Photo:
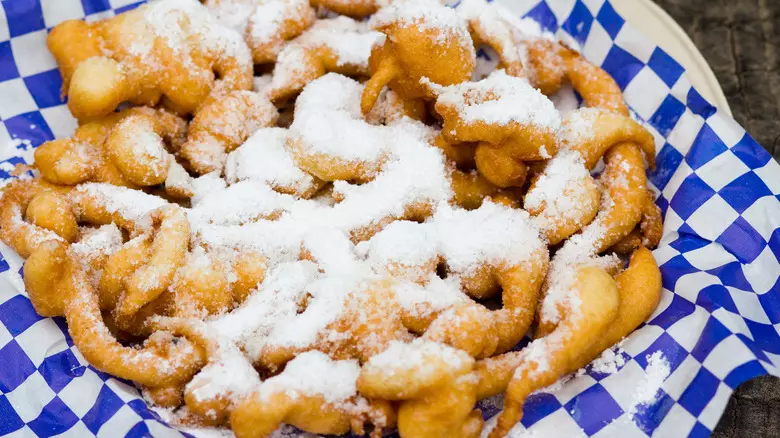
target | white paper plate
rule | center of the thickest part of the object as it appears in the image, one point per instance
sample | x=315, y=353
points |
x=657, y=25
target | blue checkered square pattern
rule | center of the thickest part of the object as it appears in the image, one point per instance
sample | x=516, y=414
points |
x=717, y=324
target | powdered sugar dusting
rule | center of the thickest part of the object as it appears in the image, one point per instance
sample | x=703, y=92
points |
x=645, y=394
x=490, y=235
x=579, y=250
x=577, y=126
x=268, y=17
x=128, y=203
x=275, y=301
x=436, y=295
x=349, y=40
x=94, y=245
x=658, y=369
x=232, y=13
x=426, y=15
x=148, y=146
x=98, y=241
x=228, y=374
x=414, y=173
x=417, y=355
x=559, y=190
x=178, y=418
x=163, y=18
x=329, y=298
x=327, y=120
x=264, y=158
x=501, y=99
x=262, y=84
x=293, y=62
x=312, y=374
x=243, y=202
x=206, y=184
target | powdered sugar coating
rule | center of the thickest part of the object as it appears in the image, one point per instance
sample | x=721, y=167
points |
x=417, y=355
x=579, y=250
x=97, y=241
x=522, y=28
x=315, y=374
x=426, y=15
x=559, y=190
x=262, y=84
x=163, y=18
x=578, y=126
x=232, y=13
x=490, y=235
x=328, y=300
x=242, y=202
x=501, y=99
x=503, y=27
x=264, y=158
x=229, y=374
x=437, y=294
x=95, y=244
x=351, y=41
x=610, y=361
x=268, y=17
x=129, y=204
x=401, y=242
x=292, y=62
x=274, y=302
x=414, y=173
x=328, y=121
x=658, y=369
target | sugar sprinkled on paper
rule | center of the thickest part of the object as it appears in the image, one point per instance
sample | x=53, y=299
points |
x=657, y=371
x=610, y=361
x=645, y=393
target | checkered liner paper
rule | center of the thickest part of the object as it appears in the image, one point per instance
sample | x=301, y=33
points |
x=717, y=323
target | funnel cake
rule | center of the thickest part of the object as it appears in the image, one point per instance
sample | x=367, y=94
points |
x=358, y=244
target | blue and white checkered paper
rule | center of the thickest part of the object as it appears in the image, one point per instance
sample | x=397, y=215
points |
x=717, y=323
